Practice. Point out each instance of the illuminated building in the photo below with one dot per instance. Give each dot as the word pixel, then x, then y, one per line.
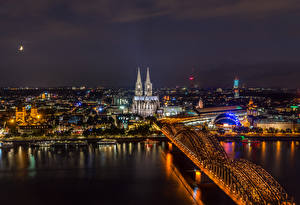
pixel 148 85
pixel 138 85
pixel 200 104
pixel 166 100
pixel 20 115
pixel 172 110
pixel 43 96
pixel 277 124
pixel 144 105
pixel 252 108
pixel 227 120
pixel 30 129
pixel 219 90
pixel 210 115
pixel 34 113
pixel 236 88
pixel 22 118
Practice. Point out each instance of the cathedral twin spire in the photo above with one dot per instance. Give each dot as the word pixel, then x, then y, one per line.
pixel 139 86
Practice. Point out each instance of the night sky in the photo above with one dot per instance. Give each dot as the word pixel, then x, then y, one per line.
pixel 94 43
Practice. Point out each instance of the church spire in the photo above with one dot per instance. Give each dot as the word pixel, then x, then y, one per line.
pixel 138 84
pixel 148 76
pixel 139 80
pixel 148 85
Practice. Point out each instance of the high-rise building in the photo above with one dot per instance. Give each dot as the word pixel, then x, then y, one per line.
pixel 144 105
pixel 236 88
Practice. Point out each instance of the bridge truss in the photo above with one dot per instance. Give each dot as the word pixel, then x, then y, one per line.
pixel 243 181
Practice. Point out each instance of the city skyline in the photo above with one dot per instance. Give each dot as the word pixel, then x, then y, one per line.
pixel 150 102
pixel 103 42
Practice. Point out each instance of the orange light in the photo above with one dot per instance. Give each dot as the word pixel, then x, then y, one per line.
pixel 170 145
pixel 169 164
pixel 198 176
pixel 292 149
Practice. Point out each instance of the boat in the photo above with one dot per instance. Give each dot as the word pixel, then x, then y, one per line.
pixel 42 144
pixel 6 145
pixel 69 144
pixel 246 140
pixel 107 142
pixel 78 143
pixel 149 141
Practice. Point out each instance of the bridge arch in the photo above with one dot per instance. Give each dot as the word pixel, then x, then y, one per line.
pixel 243 181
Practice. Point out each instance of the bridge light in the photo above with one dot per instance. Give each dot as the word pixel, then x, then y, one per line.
pixel 170 145
pixel 197 176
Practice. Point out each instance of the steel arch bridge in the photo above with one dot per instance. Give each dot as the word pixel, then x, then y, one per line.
pixel 243 181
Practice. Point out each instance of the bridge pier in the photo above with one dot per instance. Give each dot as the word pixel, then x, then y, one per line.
pixel 170 146
pixel 201 177
pixel 198 175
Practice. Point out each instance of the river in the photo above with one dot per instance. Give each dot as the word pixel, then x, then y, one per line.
pixel 129 173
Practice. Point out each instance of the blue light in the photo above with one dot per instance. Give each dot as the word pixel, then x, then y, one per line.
pixel 236 83
pixel 78 104
pixel 227 117
pixel 234 117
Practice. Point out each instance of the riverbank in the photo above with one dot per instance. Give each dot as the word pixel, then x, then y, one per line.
pixel 82 138
pixel 260 138
pixel 140 138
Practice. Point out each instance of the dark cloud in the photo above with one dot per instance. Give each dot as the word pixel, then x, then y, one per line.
pixel 102 42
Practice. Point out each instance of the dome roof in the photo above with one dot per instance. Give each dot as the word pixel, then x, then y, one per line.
pixel 227 118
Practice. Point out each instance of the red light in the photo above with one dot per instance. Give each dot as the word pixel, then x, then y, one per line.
pixel 191 78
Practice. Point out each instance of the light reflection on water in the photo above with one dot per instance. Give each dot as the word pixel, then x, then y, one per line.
pixel 277 157
pixel 135 168
pixel 139 169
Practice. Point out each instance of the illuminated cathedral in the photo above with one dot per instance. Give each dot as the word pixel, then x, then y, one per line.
pixel 144 104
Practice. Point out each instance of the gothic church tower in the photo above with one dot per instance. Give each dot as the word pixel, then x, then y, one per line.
pixel 138 85
pixel 148 85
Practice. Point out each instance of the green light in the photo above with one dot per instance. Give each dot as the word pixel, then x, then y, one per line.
pixel 294 106
pixel 243 137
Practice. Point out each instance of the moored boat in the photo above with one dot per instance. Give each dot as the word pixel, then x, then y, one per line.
pixel 107 142
pixel 42 144
pixel 6 144
pixel 69 143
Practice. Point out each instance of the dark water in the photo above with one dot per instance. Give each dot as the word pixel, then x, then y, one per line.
pixel 128 173
pixel 280 158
